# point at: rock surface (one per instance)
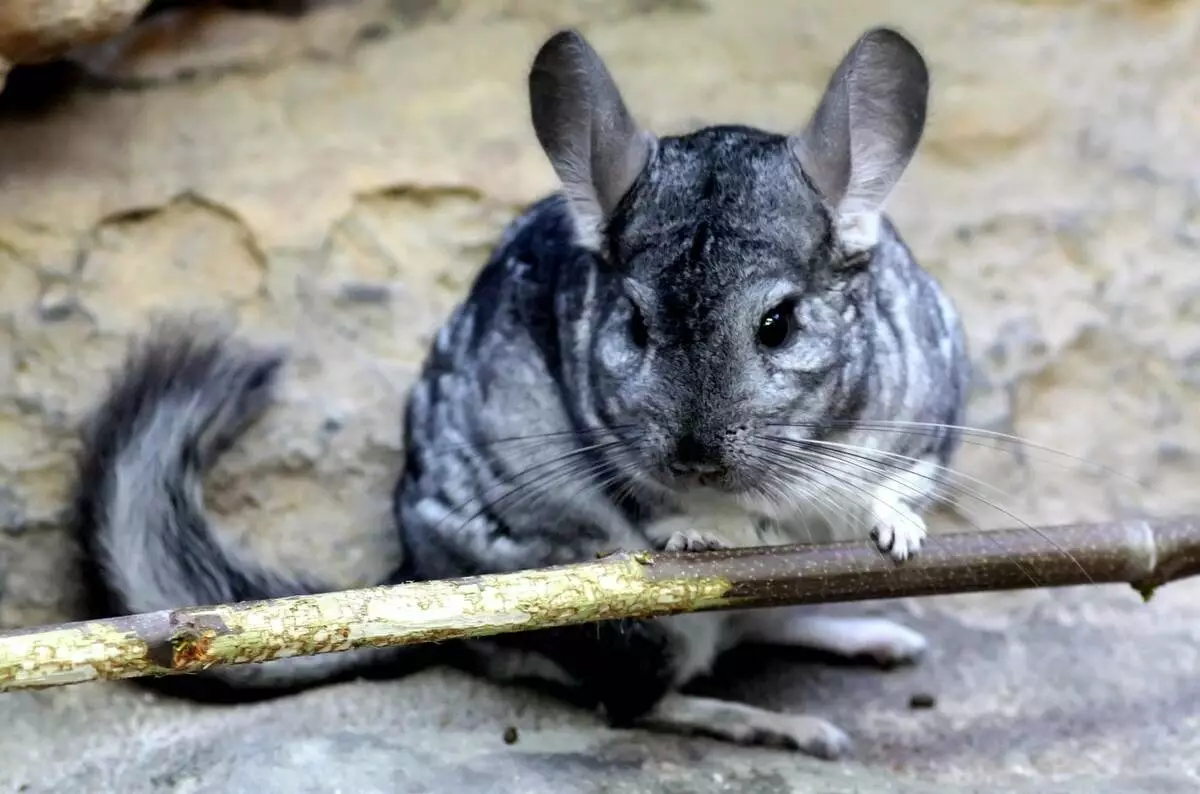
(33, 31)
(334, 181)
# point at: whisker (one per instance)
(531, 493)
(970, 515)
(784, 496)
(865, 495)
(621, 470)
(811, 464)
(866, 462)
(514, 479)
(580, 434)
(928, 428)
(972, 493)
(865, 453)
(888, 487)
(627, 469)
(819, 502)
(586, 483)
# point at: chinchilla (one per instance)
(702, 340)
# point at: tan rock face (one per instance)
(335, 182)
(37, 30)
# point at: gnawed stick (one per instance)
(1144, 554)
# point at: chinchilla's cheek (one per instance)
(614, 354)
(812, 356)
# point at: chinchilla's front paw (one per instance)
(691, 540)
(898, 532)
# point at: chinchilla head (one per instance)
(733, 261)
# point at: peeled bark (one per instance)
(1144, 554)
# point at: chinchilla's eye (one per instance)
(637, 326)
(777, 326)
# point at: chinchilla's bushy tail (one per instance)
(182, 397)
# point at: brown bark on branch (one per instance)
(1144, 554)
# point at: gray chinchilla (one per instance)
(702, 340)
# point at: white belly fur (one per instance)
(707, 635)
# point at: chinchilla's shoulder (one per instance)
(535, 260)
(537, 245)
(542, 230)
(893, 252)
(533, 252)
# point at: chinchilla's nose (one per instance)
(696, 455)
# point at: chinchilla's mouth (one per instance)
(718, 481)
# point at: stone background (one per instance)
(334, 181)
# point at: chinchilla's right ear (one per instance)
(865, 130)
(594, 145)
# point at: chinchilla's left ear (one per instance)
(595, 146)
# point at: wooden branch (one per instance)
(1144, 554)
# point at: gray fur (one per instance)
(717, 228)
(865, 130)
(594, 145)
(182, 397)
(606, 384)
